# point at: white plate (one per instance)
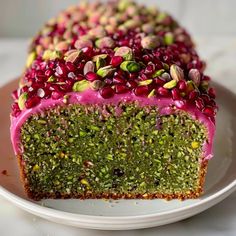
(126, 214)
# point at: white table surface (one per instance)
(220, 52)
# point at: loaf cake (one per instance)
(113, 103)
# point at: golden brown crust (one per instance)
(89, 195)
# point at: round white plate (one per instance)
(126, 214)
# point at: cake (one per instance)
(113, 103)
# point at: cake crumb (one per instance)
(4, 172)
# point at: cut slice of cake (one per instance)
(113, 103)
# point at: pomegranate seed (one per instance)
(56, 95)
(141, 90)
(118, 79)
(120, 88)
(66, 87)
(51, 64)
(163, 92)
(159, 81)
(70, 66)
(116, 61)
(150, 68)
(40, 74)
(106, 92)
(209, 111)
(48, 72)
(124, 42)
(36, 85)
(182, 85)
(133, 75)
(158, 64)
(70, 82)
(175, 94)
(131, 84)
(91, 76)
(108, 81)
(199, 103)
(146, 58)
(61, 70)
(32, 102)
(24, 89)
(79, 77)
(212, 103)
(88, 52)
(193, 95)
(120, 72)
(71, 75)
(205, 98)
(41, 93)
(80, 66)
(212, 93)
(52, 87)
(142, 76)
(15, 109)
(206, 78)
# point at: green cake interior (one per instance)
(112, 149)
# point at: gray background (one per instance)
(22, 18)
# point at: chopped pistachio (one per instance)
(130, 66)
(100, 62)
(195, 76)
(97, 32)
(84, 182)
(171, 84)
(148, 28)
(89, 67)
(51, 55)
(190, 86)
(21, 100)
(106, 42)
(74, 56)
(103, 56)
(123, 5)
(105, 71)
(80, 86)
(204, 85)
(176, 72)
(36, 167)
(161, 17)
(150, 42)
(97, 84)
(158, 73)
(51, 79)
(169, 38)
(195, 145)
(31, 57)
(82, 43)
(152, 93)
(145, 82)
(62, 46)
(124, 52)
(130, 24)
(166, 76)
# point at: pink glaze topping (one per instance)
(166, 106)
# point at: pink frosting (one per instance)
(166, 106)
